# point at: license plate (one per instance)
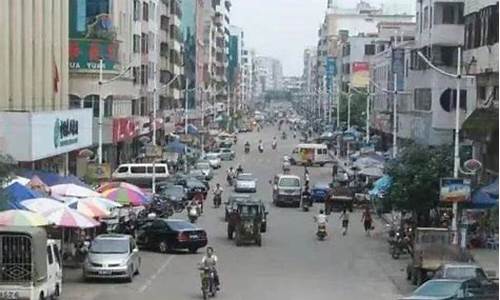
(193, 236)
(104, 272)
(9, 295)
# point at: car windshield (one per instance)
(180, 225)
(462, 272)
(175, 190)
(245, 177)
(248, 211)
(438, 289)
(202, 166)
(109, 246)
(289, 182)
(211, 156)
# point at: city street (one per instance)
(291, 264)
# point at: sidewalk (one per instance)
(487, 259)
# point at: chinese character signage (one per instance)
(360, 75)
(331, 72)
(84, 54)
(398, 66)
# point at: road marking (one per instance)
(158, 272)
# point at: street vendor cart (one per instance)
(340, 197)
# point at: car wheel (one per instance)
(163, 247)
(130, 275)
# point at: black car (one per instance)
(191, 184)
(175, 194)
(169, 234)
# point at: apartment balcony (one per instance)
(218, 19)
(443, 35)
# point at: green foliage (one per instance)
(416, 174)
(358, 109)
(6, 167)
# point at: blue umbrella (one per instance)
(176, 147)
(381, 186)
(486, 197)
(192, 129)
(15, 193)
(51, 179)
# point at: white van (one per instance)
(31, 264)
(310, 154)
(141, 174)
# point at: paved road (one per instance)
(291, 264)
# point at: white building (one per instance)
(481, 59)
(269, 74)
(36, 127)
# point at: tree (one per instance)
(416, 175)
(358, 109)
(6, 166)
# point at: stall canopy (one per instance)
(486, 197)
(15, 193)
(381, 186)
(192, 129)
(176, 147)
(51, 179)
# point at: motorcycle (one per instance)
(261, 149)
(217, 201)
(400, 245)
(247, 149)
(274, 145)
(321, 233)
(208, 287)
(283, 136)
(193, 214)
(306, 202)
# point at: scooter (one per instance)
(193, 214)
(247, 149)
(306, 202)
(321, 233)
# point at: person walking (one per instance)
(367, 220)
(345, 221)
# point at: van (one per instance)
(287, 189)
(31, 264)
(141, 174)
(310, 154)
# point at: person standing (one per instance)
(345, 221)
(367, 220)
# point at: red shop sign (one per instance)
(124, 129)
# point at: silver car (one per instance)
(226, 154)
(213, 159)
(112, 256)
(204, 166)
(245, 182)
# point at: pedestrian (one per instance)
(367, 220)
(345, 221)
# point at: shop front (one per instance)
(46, 140)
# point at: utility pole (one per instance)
(186, 98)
(368, 100)
(101, 114)
(153, 185)
(395, 117)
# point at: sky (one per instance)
(284, 28)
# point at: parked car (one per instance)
(226, 154)
(319, 191)
(205, 167)
(453, 289)
(213, 159)
(245, 182)
(112, 256)
(467, 271)
(191, 184)
(171, 234)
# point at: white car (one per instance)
(213, 159)
(245, 182)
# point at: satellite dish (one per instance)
(473, 165)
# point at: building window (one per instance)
(419, 23)
(152, 11)
(426, 17)
(137, 10)
(134, 107)
(144, 44)
(431, 17)
(369, 49)
(136, 74)
(164, 22)
(108, 106)
(75, 102)
(92, 101)
(422, 99)
(448, 100)
(137, 43)
(145, 11)
(151, 42)
(142, 109)
(163, 49)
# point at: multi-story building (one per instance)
(480, 58)
(440, 31)
(269, 74)
(292, 84)
(246, 76)
(222, 23)
(36, 126)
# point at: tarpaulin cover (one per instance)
(15, 193)
(486, 197)
(381, 186)
(51, 179)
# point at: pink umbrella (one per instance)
(42, 205)
(111, 185)
(73, 190)
(68, 217)
(125, 196)
(88, 208)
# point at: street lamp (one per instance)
(456, 162)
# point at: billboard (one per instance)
(360, 77)
(84, 55)
(331, 72)
(398, 67)
(455, 190)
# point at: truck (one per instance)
(31, 264)
(431, 248)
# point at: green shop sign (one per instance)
(84, 54)
(65, 132)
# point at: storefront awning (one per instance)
(486, 197)
(481, 121)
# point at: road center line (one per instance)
(158, 272)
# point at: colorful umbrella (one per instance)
(106, 203)
(88, 208)
(19, 217)
(112, 185)
(125, 196)
(42, 205)
(68, 217)
(73, 190)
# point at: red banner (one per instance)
(124, 129)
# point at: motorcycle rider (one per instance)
(210, 260)
(239, 170)
(230, 175)
(261, 146)
(247, 147)
(275, 143)
(218, 192)
(321, 219)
